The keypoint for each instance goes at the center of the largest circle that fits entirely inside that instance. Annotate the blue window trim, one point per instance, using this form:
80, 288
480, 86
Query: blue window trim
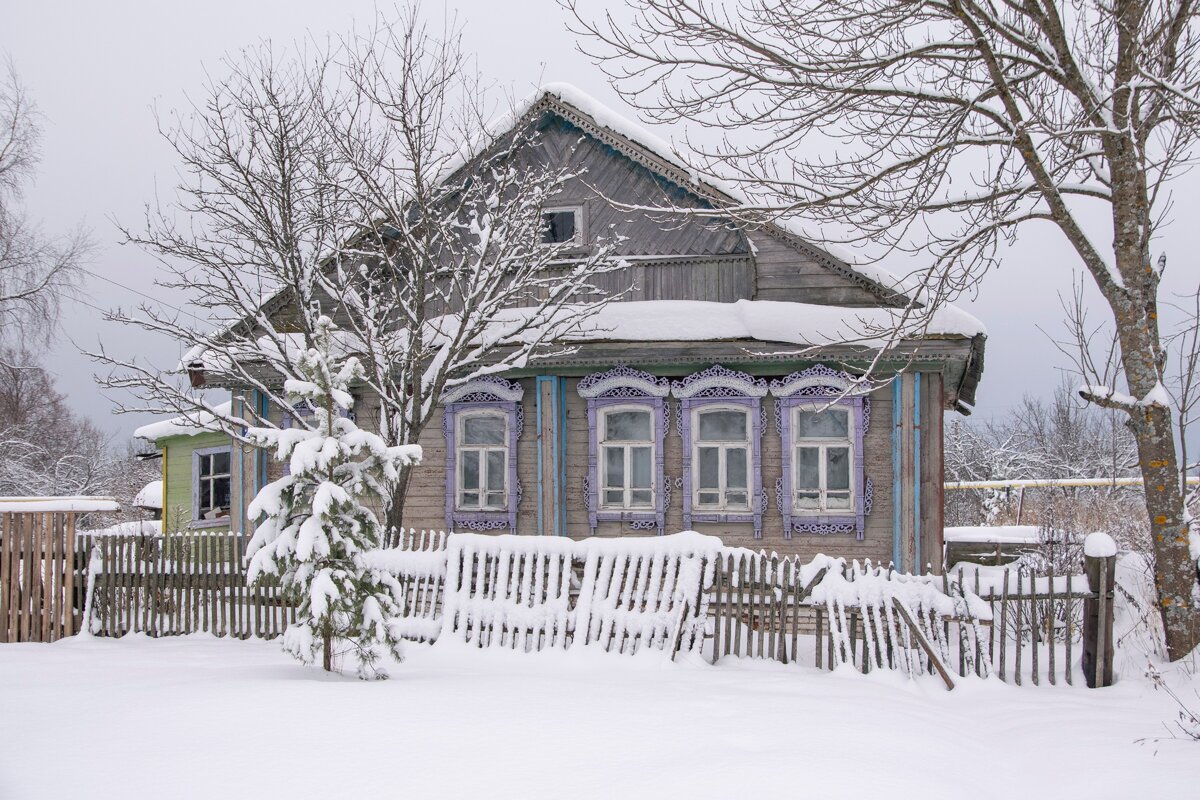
482, 394
197, 521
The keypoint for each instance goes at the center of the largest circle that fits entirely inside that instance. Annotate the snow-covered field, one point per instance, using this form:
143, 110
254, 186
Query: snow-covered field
199, 717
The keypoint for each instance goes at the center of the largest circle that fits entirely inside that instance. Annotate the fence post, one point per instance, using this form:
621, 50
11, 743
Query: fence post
1100, 567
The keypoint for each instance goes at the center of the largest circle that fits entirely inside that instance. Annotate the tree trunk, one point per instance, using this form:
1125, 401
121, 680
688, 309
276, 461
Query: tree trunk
395, 514
327, 635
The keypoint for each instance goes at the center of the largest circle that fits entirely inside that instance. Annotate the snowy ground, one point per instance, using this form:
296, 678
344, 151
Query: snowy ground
199, 717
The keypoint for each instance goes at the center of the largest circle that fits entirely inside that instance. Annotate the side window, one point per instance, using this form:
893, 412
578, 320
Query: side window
211, 484
482, 457
823, 459
627, 447
721, 459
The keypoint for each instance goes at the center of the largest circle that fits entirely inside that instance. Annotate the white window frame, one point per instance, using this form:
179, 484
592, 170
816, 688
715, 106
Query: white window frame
822, 444
577, 240
459, 447
201, 452
627, 446
722, 474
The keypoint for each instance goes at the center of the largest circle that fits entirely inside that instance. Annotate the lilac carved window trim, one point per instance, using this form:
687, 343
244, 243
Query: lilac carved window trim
821, 385
482, 394
625, 386
713, 388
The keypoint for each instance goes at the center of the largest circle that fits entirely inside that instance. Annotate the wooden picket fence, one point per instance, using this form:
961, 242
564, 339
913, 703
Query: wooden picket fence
184, 584
760, 608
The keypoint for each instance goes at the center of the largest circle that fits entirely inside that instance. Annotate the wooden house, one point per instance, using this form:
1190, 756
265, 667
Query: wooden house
712, 397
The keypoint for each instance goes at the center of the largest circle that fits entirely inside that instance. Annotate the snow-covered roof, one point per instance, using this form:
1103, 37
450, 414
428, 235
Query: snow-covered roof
151, 496
185, 425
145, 527
80, 503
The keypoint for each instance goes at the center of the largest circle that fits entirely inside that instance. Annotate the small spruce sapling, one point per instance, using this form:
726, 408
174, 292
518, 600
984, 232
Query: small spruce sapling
319, 519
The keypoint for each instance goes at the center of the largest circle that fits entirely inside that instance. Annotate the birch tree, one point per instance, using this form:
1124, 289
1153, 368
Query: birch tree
363, 183
942, 128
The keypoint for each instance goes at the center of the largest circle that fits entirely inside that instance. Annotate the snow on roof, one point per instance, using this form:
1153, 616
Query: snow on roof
151, 496
760, 320
81, 503
145, 527
185, 425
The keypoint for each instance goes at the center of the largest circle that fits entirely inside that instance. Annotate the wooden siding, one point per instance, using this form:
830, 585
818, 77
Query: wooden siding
177, 488
786, 273
425, 504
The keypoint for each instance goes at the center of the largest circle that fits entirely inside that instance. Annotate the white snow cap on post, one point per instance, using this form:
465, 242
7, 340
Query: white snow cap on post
1099, 545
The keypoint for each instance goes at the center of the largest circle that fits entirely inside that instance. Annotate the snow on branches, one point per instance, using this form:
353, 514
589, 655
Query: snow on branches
320, 519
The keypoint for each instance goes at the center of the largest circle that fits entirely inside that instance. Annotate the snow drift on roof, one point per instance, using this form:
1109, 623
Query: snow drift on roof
80, 503
185, 425
151, 496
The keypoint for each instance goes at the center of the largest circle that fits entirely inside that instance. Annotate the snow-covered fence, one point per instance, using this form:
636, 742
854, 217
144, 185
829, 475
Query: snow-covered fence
196, 583
617, 595
981, 621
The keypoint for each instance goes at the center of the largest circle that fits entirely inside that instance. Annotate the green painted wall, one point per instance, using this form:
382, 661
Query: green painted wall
177, 483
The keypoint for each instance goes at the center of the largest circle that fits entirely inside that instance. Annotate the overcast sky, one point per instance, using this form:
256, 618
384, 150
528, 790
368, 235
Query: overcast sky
98, 70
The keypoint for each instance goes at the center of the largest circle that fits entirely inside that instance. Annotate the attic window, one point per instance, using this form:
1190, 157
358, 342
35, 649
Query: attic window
561, 226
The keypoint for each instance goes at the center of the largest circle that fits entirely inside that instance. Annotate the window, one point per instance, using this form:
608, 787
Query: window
482, 422
561, 226
482, 458
627, 419
211, 484
721, 458
823, 415
823, 459
627, 458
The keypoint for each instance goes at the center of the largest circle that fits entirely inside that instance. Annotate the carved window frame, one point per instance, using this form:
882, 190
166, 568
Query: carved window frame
816, 387
625, 386
494, 395
710, 389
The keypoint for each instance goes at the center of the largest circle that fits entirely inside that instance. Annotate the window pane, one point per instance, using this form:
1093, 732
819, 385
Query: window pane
837, 468
832, 423
614, 466
495, 470
627, 426
723, 426
205, 495
735, 468
220, 463
838, 500
808, 475
614, 497
205, 465
808, 500
736, 499
558, 227
221, 493
469, 500
497, 500
640, 498
470, 469
710, 467
709, 498
639, 465
487, 429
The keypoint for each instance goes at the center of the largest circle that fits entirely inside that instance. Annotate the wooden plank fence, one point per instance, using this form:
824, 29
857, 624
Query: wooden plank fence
38, 571
760, 607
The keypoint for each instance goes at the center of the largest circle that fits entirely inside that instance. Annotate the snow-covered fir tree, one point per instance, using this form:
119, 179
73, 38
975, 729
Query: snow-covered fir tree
320, 518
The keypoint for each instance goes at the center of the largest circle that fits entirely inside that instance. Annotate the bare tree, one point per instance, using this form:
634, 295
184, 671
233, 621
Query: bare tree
943, 127
36, 271
360, 182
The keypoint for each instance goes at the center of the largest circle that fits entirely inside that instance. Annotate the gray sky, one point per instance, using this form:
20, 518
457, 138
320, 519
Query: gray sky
98, 71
